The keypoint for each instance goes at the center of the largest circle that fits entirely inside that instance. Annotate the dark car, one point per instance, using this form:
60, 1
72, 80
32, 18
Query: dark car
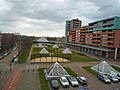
1, 57
82, 80
104, 78
54, 84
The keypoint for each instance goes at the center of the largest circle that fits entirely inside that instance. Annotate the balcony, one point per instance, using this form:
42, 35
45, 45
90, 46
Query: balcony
82, 36
96, 36
96, 40
110, 46
96, 45
82, 42
112, 32
110, 41
110, 37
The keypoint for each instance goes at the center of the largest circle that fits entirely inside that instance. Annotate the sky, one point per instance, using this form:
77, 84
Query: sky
47, 17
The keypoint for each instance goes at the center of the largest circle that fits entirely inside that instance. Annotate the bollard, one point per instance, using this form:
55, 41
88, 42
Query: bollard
33, 70
6, 72
28, 70
23, 70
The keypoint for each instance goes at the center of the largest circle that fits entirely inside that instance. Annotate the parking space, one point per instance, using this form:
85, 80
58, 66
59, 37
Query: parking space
67, 88
93, 82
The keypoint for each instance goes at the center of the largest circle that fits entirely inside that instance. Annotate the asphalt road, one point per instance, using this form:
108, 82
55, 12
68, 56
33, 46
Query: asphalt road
13, 81
29, 80
8, 58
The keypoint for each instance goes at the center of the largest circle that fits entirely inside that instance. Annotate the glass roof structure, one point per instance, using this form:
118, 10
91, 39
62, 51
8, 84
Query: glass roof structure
55, 71
103, 68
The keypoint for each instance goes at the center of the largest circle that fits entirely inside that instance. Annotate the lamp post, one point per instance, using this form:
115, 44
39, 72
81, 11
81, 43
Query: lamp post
99, 63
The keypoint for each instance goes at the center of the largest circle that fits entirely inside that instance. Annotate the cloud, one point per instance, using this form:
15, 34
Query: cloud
47, 17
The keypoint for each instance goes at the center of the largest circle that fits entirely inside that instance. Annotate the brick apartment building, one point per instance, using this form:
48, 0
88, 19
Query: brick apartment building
100, 37
70, 29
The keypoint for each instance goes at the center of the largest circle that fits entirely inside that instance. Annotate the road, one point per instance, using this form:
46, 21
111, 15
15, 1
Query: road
29, 80
13, 81
7, 59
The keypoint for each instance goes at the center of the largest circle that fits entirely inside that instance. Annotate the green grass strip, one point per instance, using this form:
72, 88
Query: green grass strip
70, 71
23, 57
116, 68
43, 82
87, 68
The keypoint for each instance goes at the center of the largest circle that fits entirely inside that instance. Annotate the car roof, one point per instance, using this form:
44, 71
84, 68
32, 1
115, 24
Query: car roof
83, 78
63, 77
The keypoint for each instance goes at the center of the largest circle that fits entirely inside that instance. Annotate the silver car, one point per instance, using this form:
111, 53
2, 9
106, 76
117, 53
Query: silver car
73, 81
64, 82
112, 78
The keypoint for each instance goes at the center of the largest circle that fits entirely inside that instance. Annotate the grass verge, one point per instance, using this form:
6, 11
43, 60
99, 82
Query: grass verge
23, 57
70, 71
116, 68
87, 68
43, 82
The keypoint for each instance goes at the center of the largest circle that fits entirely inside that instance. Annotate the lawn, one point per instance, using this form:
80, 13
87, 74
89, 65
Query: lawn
75, 57
70, 71
43, 82
23, 57
87, 68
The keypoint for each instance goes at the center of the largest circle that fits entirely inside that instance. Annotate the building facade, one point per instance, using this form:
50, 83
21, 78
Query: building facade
100, 38
70, 28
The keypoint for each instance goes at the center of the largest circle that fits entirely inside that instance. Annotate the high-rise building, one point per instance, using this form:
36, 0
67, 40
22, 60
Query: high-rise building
71, 25
100, 38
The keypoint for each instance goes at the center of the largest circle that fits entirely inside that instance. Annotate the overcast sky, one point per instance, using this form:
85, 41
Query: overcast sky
47, 17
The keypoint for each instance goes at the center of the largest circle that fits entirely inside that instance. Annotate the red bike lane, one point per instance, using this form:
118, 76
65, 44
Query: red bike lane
13, 81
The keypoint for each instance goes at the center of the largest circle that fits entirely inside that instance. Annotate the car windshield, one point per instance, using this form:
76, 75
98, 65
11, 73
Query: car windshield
73, 79
54, 81
105, 77
64, 80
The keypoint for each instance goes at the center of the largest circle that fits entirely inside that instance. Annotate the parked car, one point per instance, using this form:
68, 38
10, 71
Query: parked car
116, 74
112, 78
73, 81
118, 77
7, 53
15, 56
14, 48
1, 57
64, 82
82, 80
54, 84
104, 78
83, 88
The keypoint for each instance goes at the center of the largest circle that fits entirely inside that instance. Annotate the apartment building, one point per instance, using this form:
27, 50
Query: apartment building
70, 28
100, 37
